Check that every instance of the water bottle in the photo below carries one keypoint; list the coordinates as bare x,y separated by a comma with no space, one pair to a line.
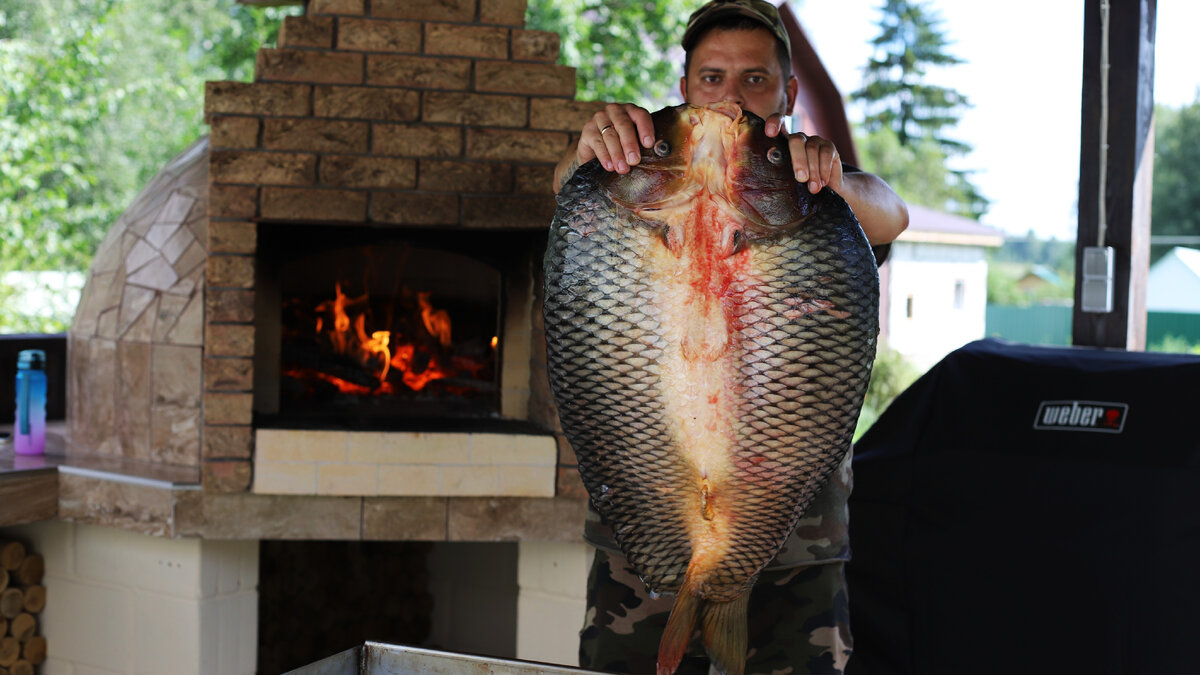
29,431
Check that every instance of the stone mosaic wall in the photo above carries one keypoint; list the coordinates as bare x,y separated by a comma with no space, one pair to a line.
135,346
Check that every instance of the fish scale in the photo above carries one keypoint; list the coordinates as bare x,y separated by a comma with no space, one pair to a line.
707,390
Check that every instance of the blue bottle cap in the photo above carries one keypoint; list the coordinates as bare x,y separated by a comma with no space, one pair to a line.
31,359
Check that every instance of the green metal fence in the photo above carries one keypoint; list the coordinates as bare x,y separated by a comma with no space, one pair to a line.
1035,325
1051,325
1159,325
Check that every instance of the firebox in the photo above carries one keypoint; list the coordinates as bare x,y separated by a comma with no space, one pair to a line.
379,328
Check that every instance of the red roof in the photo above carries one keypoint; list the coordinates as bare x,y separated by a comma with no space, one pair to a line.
926,224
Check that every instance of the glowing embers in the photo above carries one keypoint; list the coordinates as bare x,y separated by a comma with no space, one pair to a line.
388,329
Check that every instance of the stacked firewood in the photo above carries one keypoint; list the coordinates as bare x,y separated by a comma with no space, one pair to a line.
22,598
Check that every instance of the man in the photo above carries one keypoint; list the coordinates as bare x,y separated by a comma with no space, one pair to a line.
747,60
738,50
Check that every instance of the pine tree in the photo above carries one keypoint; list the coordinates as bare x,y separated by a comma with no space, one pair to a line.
897,99
895,93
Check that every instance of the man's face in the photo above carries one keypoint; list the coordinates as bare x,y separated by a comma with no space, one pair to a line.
741,66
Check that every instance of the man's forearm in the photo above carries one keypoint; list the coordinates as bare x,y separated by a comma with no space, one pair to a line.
566,168
880,211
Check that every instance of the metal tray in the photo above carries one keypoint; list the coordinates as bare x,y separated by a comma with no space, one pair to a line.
377,658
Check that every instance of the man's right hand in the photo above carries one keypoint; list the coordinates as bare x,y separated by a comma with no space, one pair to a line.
613,136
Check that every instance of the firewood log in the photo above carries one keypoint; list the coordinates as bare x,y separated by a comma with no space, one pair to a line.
12,554
12,601
10,651
3,578
31,570
35,599
34,651
21,667
23,627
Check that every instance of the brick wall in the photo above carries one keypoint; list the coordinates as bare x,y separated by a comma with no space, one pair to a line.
429,113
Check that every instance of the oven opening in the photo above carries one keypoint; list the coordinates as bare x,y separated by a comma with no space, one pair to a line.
359,326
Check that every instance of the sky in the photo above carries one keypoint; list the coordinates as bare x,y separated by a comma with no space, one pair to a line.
1023,61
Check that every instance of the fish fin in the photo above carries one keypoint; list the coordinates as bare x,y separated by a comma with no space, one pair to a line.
724,630
685,614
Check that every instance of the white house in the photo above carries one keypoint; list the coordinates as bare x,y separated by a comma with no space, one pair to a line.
1173,283
934,286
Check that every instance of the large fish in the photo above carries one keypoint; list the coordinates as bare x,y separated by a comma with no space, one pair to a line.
710,329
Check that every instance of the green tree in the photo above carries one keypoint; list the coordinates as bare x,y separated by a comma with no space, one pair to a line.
902,108
1021,255
95,96
890,376
622,50
916,171
1175,203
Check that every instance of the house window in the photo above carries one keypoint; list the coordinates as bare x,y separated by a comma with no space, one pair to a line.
959,293
908,307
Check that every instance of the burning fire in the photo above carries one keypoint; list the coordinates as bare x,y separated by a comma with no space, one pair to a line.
341,323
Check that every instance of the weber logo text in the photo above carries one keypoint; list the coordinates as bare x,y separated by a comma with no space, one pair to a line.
1081,416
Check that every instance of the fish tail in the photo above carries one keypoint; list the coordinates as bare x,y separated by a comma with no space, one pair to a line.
722,628
685,614
724,633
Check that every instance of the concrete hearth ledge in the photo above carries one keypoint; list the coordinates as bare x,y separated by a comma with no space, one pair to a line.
167,501
404,464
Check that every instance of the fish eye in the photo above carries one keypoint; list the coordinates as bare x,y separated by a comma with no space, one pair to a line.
662,148
775,155
739,240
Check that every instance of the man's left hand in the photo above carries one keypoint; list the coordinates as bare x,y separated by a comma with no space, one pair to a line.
815,160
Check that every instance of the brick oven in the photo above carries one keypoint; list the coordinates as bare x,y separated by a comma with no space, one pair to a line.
390,162
322,322
423,133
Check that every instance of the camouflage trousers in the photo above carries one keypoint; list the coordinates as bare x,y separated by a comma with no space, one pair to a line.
799,622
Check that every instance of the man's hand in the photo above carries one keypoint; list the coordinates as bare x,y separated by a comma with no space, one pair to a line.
880,211
614,136
815,160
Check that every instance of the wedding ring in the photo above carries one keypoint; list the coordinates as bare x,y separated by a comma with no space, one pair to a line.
605,129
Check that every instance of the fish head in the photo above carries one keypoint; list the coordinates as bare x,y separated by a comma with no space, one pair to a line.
760,184
661,178
711,187
721,152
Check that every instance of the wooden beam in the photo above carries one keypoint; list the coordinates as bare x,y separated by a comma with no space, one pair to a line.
1130,161
28,496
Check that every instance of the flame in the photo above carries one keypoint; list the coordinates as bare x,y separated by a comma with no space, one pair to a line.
378,344
344,386
343,322
437,321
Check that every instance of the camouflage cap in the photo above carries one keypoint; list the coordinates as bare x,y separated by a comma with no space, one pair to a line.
760,10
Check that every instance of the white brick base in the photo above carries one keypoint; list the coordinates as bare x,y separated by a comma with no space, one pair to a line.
553,597
121,602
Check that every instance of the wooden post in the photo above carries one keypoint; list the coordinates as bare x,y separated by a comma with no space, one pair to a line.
1130,162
